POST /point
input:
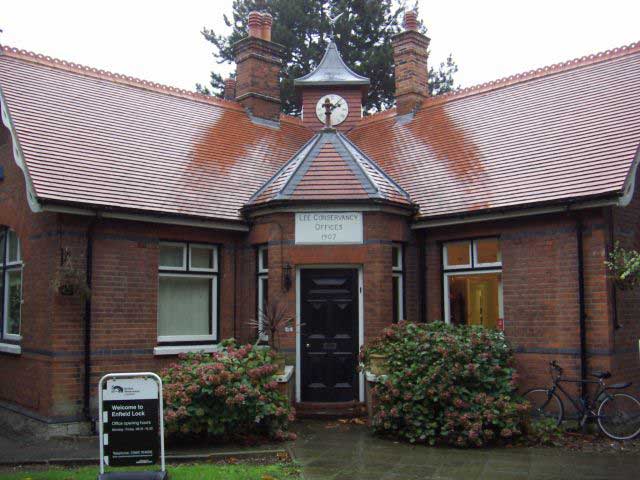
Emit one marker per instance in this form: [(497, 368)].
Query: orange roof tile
[(98, 139), (102, 140), (565, 132)]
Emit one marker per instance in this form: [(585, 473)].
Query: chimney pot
[(411, 20), (267, 21), (230, 88), (255, 24), (258, 65)]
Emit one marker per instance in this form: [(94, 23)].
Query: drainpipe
[(582, 312), (235, 290), (87, 330)]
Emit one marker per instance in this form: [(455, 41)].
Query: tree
[(363, 35)]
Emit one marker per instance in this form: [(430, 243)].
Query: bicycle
[(617, 414)]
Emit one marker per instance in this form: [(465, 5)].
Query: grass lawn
[(278, 471)]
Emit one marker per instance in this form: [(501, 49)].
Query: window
[(10, 285), (263, 286), (397, 282), (188, 292), (473, 282)]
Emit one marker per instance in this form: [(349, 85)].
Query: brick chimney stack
[(258, 64), (410, 52), (229, 88)]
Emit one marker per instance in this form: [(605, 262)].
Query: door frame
[(360, 290)]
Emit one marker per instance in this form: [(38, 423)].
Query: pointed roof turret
[(331, 71)]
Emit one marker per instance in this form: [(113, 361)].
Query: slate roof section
[(99, 140), (569, 132), (331, 71), (330, 168)]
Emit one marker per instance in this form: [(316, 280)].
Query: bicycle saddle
[(617, 386), (601, 374)]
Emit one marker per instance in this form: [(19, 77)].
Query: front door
[(329, 335)]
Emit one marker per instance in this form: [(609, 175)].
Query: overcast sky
[(160, 40)]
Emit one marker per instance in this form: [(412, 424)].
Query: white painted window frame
[(15, 265), (263, 273), (182, 268), (214, 252), (186, 271), (398, 272), (214, 309), (477, 264), (445, 289), (445, 256)]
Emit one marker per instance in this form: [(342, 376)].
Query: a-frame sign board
[(131, 425)]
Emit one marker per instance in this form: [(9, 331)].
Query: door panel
[(329, 334)]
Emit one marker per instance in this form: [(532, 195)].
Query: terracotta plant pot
[(378, 364), (279, 362)]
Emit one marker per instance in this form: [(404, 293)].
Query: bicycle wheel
[(545, 404), (619, 416)]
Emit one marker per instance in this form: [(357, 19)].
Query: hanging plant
[(624, 267), (69, 280)]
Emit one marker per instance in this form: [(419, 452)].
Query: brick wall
[(540, 288), (311, 96), (380, 231), (25, 379), (625, 224)]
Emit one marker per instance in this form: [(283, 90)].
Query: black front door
[(329, 335)]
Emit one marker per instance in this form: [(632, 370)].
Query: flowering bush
[(449, 384), (229, 394)]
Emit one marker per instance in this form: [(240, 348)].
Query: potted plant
[(69, 280), (273, 318), (374, 358), (624, 267)]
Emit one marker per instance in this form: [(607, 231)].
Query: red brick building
[(493, 205)]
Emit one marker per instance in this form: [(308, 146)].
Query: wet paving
[(330, 450)]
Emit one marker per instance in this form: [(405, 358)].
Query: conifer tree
[(363, 35)]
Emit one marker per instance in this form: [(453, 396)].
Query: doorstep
[(329, 410)]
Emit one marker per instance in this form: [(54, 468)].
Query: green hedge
[(446, 384)]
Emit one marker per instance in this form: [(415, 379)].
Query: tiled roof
[(330, 168), (569, 131), (98, 139)]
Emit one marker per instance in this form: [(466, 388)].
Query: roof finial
[(332, 23)]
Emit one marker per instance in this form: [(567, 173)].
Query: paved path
[(16, 449), (333, 451)]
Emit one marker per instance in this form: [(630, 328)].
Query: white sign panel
[(326, 228), (131, 389)]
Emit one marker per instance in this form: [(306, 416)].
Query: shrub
[(227, 395), (446, 384)]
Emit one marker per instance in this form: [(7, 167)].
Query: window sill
[(10, 348), (178, 349)]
